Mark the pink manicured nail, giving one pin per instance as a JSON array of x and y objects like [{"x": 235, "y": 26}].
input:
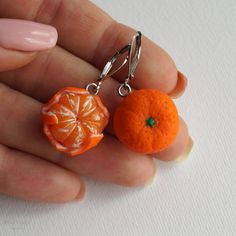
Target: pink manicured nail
[{"x": 26, "y": 35}]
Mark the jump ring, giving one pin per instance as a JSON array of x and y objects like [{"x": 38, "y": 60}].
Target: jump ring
[
  {"x": 124, "y": 90},
  {"x": 93, "y": 88}
]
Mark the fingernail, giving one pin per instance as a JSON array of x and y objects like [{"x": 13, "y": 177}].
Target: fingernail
[
  {"x": 180, "y": 86},
  {"x": 152, "y": 179},
  {"x": 26, "y": 35},
  {"x": 187, "y": 151},
  {"x": 81, "y": 193}
]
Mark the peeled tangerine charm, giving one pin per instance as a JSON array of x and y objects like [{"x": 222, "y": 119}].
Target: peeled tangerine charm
[
  {"x": 74, "y": 120},
  {"x": 146, "y": 121}
]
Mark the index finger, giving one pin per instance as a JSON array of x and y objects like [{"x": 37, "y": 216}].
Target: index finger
[{"x": 88, "y": 32}]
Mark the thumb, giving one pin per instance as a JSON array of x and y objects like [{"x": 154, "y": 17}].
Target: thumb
[{"x": 20, "y": 41}]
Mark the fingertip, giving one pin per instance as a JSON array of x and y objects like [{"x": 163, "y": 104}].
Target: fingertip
[
  {"x": 178, "y": 147},
  {"x": 187, "y": 151},
  {"x": 141, "y": 174},
  {"x": 152, "y": 179},
  {"x": 81, "y": 194},
  {"x": 180, "y": 86},
  {"x": 28, "y": 36},
  {"x": 66, "y": 187}
]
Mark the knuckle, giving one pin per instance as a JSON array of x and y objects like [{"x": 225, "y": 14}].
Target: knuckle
[
  {"x": 3, "y": 154},
  {"x": 5, "y": 163},
  {"x": 168, "y": 75},
  {"x": 48, "y": 10},
  {"x": 8, "y": 99}
]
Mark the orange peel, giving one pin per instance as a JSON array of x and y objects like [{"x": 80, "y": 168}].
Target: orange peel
[{"x": 73, "y": 120}]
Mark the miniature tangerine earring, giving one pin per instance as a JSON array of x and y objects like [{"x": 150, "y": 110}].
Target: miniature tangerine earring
[
  {"x": 74, "y": 118},
  {"x": 147, "y": 120}
]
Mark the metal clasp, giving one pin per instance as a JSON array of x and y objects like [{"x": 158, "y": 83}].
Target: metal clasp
[
  {"x": 133, "y": 50},
  {"x": 109, "y": 69},
  {"x": 133, "y": 60}
]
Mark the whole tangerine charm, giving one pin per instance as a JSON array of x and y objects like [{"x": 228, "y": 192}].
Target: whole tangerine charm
[
  {"x": 146, "y": 121},
  {"x": 74, "y": 120}
]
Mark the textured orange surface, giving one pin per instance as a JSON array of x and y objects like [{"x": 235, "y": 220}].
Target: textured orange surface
[
  {"x": 74, "y": 120},
  {"x": 146, "y": 121}
]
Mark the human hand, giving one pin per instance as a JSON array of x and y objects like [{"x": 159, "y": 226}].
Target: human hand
[{"x": 30, "y": 167}]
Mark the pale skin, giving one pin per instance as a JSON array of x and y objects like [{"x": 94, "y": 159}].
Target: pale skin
[{"x": 30, "y": 168}]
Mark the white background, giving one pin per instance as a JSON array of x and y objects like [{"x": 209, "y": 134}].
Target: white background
[{"x": 196, "y": 197}]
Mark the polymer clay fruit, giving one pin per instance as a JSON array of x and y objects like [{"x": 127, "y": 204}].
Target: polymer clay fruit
[
  {"x": 146, "y": 121},
  {"x": 74, "y": 120}
]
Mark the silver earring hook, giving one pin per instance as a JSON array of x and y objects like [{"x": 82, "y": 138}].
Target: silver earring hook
[
  {"x": 135, "y": 44},
  {"x": 108, "y": 70},
  {"x": 133, "y": 60}
]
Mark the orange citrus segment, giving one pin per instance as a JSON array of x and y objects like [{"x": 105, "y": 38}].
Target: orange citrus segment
[
  {"x": 76, "y": 137},
  {"x": 74, "y": 120},
  {"x": 92, "y": 142},
  {"x": 62, "y": 131}
]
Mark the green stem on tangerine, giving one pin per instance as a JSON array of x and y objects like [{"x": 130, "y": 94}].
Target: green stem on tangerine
[{"x": 150, "y": 122}]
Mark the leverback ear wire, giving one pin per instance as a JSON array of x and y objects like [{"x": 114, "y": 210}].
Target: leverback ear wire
[
  {"x": 133, "y": 59},
  {"x": 108, "y": 70},
  {"x": 133, "y": 49}
]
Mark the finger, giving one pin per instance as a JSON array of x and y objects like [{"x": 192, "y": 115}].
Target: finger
[
  {"x": 180, "y": 87},
  {"x": 20, "y": 39},
  {"x": 177, "y": 147},
  {"x": 21, "y": 128},
  {"x": 26, "y": 35},
  {"x": 96, "y": 45},
  {"x": 11, "y": 60},
  {"x": 112, "y": 162},
  {"x": 28, "y": 177}
]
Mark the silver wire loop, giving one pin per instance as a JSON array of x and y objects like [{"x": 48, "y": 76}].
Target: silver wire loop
[
  {"x": 133, "y": 60},
  {"x": 109, "y": 69},
  {"x": 93, "y": 88},
  {"x": 124, "y": 90}
]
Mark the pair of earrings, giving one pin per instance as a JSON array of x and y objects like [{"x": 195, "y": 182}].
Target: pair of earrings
[{"x": 146, "y": 121}]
